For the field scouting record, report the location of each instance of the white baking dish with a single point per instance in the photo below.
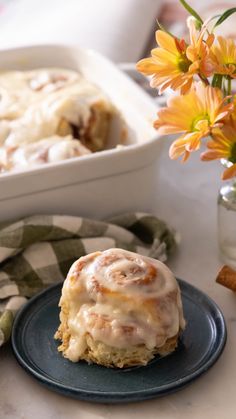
(97, 185)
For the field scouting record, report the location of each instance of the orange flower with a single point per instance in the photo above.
(199, 51)
(195, 115)
(175, 63)
(223, 145)
(225, 53)
(168, 64)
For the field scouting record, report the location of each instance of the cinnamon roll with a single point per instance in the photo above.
(41, 105)
(119, 309)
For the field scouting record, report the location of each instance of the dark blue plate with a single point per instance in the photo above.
(200, 346)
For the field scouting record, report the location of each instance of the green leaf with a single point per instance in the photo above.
(191, 11)
(212, 18)
(224, 16)
(164, 29)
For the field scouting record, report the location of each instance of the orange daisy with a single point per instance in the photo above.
(194, 115)
(168, 64)
(225, 53)
(199, 51)
(223, 145)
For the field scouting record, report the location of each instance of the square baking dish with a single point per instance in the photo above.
(105, 183)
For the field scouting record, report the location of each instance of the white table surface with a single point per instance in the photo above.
(186, 198)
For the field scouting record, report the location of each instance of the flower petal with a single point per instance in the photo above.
(229, 172)
(166, 41)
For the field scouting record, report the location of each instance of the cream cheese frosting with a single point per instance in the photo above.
(44, 104)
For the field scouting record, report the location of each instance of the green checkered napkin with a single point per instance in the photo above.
(38, 251)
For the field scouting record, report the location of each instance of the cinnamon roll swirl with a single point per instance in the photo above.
(119, 309)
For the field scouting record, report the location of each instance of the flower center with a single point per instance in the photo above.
(201, 123)
(184, 63)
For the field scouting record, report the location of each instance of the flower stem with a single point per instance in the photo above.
(229, 89)
(217, 81)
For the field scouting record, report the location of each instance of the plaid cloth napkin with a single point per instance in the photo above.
(38, 251)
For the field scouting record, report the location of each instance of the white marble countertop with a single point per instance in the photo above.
(186, 198)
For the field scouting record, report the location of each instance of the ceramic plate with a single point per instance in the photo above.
(200, 346)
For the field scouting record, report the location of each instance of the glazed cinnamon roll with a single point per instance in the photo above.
(119, 309)
(41, 105)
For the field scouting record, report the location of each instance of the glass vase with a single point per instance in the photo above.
(227, 222)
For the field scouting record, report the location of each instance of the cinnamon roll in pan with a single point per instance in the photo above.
(119, 309)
